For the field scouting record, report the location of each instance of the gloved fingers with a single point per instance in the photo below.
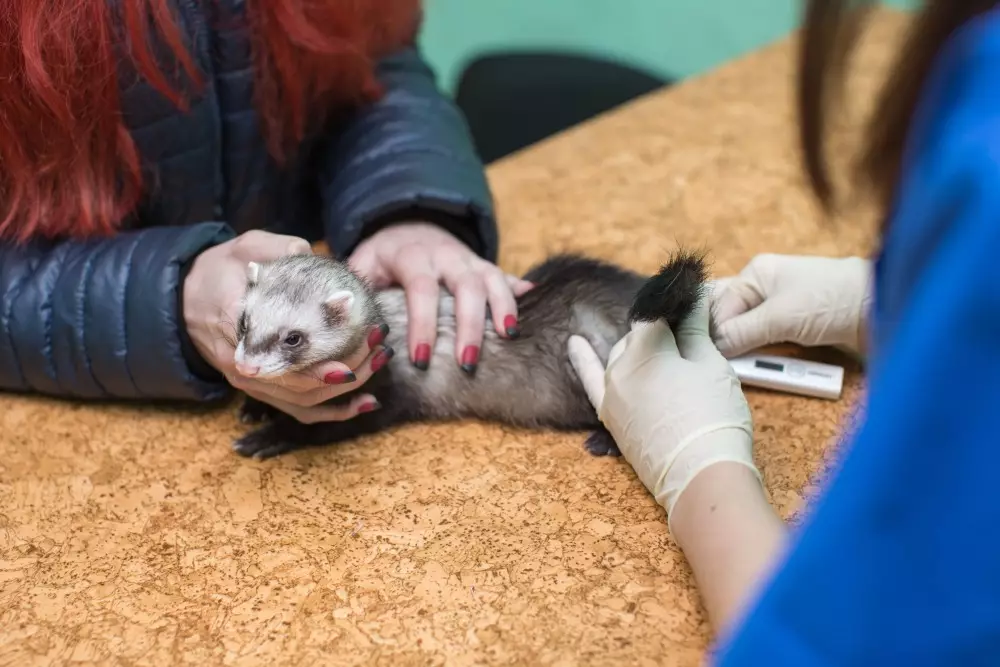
(745, 332)
(694, 342)
(737, 296)
(617, 350)
(651, 338)
(589, 368)
(717, 286)
(698, 321)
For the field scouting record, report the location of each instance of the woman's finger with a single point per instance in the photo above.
(419, 280)
(329, 373)
(331, 413)
(365, 262)
(325, 375)
(277, 388)
(503, 306)
(470, 315)
(345, 371)
(376, 361)
(517, 285)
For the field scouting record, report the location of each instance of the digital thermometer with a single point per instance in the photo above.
(796, 376)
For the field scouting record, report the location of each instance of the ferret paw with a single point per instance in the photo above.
(264, 443)
(601, 443)
(254, 412)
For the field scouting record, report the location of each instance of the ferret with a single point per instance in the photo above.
(302, 310)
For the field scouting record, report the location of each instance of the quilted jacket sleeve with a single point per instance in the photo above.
(408, 156)
(101, 319)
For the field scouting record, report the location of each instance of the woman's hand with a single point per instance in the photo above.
(671, 401)
(212, 293)
(806, 300)
(419, 256)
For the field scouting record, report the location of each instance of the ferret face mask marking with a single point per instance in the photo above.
(282, 330)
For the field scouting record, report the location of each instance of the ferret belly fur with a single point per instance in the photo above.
(526, 382)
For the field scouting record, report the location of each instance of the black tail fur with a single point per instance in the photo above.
(672, 294)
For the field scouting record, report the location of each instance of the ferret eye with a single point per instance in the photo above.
(293, 339)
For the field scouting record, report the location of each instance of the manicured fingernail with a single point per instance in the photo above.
(377, 335)
(369, 407)
(470, 359)
(510, 326)
(382, 358)
(340, 377)
(422, 357)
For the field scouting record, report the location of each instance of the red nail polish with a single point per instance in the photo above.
(377, 335)
(510, 326)
(368, 407)
(422, 356)
(470, 358)
(382, 358)
(339, 377)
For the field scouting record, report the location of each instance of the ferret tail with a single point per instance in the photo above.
(672, 294)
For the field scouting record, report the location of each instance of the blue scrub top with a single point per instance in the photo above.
(900, 561)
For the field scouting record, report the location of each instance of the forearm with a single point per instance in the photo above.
(101, 319)
(731, 537)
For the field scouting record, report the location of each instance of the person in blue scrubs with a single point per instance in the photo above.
(899, 560)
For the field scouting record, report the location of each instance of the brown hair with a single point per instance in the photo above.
(829, 33)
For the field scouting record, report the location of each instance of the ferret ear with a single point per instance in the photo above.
(339, 305)
(253, 272)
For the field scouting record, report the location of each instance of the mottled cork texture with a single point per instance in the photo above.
(136, 537)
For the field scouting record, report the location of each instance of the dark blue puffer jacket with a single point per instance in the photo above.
(102, 320)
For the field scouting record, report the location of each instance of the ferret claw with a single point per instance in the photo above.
(260, 445)
(601, 443)
(250, 418)
(254, 412)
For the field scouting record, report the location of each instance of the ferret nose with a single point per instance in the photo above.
(246, 370)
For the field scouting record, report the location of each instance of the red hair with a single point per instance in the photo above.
(68, 165)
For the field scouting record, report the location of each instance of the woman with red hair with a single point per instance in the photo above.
(149, 149)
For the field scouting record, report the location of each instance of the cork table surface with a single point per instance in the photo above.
(134, 536)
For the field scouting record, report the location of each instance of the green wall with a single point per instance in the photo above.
(676, 38)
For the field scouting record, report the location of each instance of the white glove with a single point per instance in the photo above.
(673, 404)
(810, 301)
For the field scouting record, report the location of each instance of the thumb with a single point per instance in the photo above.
(589, 368)
(745, 332)
(261, 246)
(693, 339)
(299, 247)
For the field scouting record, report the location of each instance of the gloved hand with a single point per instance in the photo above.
(810, 301)
(671, 401)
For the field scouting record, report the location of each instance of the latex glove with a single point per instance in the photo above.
(420, 256)
(672, 403)
(213, 289)
(799, 299)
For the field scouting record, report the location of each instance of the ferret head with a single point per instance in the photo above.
(299, 311)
